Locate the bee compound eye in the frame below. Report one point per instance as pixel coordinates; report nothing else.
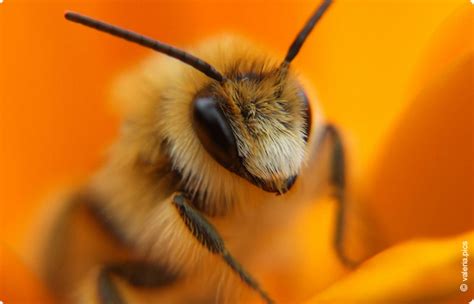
(215, 132)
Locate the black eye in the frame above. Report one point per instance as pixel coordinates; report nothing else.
(307, 112)
(215, 133)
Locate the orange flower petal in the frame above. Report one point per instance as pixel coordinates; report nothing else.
(417, 271)
(422, 182)
(17, 283)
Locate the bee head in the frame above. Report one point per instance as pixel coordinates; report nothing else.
(253, 121)
(255, 125)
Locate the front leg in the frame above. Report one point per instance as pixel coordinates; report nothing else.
(337, 179)
(208, 236)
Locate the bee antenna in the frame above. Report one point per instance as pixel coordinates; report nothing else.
(305, 31)
(145, 41)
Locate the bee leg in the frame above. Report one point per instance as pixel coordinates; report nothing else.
(108, 292)
(208, 236)
(337, 179)
(135, 273)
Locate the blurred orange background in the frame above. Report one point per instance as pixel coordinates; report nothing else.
(396, 76)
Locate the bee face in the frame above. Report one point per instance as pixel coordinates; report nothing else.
(255, 125)
(252, 121)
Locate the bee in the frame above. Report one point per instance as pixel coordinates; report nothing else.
(217, 142)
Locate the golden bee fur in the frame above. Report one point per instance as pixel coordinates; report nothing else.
(158, 154)
(269, 132)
